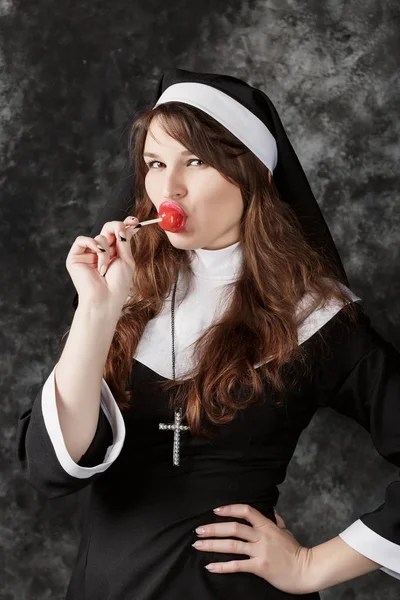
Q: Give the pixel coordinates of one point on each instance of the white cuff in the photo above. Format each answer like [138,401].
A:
[52,424]
[375,547]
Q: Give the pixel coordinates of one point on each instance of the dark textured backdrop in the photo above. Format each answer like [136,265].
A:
[72,74]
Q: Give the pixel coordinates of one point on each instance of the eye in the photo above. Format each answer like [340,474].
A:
[153,162]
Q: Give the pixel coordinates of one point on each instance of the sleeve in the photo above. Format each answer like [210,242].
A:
[360,377]
[43,455]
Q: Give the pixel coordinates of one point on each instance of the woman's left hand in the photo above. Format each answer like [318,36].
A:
[274,553]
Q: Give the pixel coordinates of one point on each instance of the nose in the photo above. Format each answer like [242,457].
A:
[173,187]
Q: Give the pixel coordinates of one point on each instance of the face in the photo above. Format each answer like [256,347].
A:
[213,205]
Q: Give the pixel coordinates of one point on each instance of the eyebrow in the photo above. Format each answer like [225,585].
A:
[151,155]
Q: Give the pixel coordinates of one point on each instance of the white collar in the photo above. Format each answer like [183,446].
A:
[214,271]
[224,264]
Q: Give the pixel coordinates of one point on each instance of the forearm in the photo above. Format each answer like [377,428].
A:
[335,561]
[78,376]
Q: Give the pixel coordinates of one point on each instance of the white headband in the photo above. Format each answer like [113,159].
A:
[240,121]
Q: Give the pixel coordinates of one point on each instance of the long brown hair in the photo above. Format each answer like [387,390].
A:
[279,268]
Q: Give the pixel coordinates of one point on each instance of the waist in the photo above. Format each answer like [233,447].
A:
[182,493]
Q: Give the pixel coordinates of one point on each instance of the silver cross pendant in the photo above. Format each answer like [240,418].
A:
[176,428]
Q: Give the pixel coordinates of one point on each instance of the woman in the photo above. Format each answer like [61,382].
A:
[240,327]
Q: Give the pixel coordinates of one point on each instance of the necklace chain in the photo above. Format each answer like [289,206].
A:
[177,426]
[173,327]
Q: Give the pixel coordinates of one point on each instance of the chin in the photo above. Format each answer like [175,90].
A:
[183,241]
[184,245]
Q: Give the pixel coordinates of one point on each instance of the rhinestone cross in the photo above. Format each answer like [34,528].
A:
[176,428]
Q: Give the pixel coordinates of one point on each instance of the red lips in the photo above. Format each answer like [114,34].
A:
[173,217]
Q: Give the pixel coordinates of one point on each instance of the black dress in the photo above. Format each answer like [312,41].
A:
[142,510]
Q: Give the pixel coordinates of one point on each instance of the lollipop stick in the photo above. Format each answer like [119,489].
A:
[151,221]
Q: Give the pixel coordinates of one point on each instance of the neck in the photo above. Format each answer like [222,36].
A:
[221,247]
[223,264]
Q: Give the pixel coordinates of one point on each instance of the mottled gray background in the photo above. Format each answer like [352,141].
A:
[72,74]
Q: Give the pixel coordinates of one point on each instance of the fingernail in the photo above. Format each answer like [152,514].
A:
[103,270]
[100,248]
[210,567]
[200,530]
[217,509]
[122,237]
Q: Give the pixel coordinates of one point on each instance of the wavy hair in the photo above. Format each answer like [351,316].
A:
[261,322]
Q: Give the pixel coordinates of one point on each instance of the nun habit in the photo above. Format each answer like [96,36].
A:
[140,508]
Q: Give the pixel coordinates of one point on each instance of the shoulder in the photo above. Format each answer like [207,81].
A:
[315,316]
[344,349]
[334,338]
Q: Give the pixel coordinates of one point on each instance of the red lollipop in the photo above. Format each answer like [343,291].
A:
[173,217]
